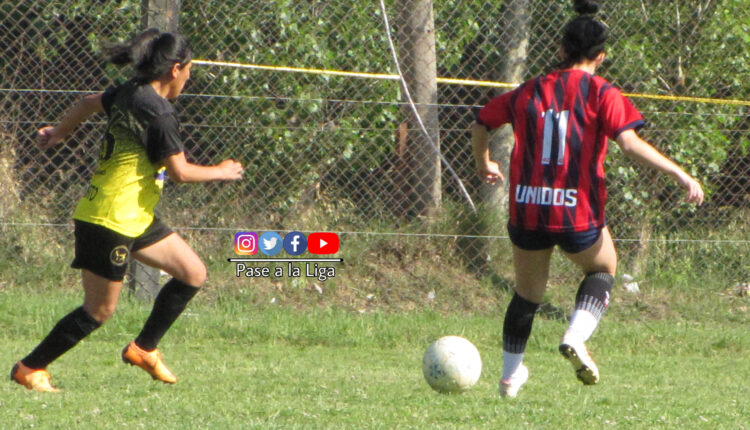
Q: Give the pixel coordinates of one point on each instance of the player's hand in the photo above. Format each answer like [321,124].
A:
[232,170]
[693,188]
[47,137]
[490,173]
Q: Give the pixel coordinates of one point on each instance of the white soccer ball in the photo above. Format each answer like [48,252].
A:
[451,364]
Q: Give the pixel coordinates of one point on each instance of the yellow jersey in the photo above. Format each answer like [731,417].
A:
[142,130]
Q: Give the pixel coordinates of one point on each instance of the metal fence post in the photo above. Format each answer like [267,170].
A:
[164,15]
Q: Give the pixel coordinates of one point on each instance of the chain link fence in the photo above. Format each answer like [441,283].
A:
[325,149]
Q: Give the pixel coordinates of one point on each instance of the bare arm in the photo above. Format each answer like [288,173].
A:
[181,170]
[48,137]
[488,170]
[642,152]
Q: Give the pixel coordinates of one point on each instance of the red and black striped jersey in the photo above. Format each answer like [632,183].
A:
[561,122]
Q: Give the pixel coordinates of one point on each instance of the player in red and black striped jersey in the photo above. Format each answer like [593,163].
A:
[562,122]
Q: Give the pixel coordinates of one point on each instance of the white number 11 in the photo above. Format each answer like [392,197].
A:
[554,120]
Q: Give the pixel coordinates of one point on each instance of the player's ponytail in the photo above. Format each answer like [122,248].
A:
[583,37]
[152,53]
[586,7]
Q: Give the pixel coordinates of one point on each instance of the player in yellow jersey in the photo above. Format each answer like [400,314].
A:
[115,218]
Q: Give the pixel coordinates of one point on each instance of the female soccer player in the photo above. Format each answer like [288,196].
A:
[115,219]
[561,122]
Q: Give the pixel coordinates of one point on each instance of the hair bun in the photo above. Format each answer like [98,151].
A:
[586,7]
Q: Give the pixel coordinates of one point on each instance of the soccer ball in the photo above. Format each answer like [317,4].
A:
[451,364]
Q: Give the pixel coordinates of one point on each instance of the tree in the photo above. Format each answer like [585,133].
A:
[416,37]
[514,20]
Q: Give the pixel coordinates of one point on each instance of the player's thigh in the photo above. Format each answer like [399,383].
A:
[599,257]
[532,271]
[174,256]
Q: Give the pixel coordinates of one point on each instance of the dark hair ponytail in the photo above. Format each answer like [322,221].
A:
[152,53]
[586,7]
[585,35]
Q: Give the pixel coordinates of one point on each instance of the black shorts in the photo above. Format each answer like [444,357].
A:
[105,252]
[572,242]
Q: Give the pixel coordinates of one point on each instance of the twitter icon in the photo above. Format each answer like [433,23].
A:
[270,243]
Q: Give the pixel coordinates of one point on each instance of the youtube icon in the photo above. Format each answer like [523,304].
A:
[323,243]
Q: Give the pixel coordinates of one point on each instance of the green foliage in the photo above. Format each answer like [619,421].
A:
[297,132]
[295,129]
[679,50]
[319,150]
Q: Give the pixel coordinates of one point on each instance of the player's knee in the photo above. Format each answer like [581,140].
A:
[102,312]
[196,274]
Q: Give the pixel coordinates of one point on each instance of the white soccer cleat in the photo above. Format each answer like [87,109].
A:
[510,386]
[583,364]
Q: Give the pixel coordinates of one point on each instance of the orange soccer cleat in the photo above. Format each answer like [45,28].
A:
[150,361]
[33,379]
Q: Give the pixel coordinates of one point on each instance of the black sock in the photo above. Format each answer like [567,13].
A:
[169,304]
[593,293]
[517,326]
[64,336]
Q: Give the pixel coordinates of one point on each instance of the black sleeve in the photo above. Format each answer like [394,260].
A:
[108,98]
[163,138]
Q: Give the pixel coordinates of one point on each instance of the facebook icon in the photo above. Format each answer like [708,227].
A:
[295,243]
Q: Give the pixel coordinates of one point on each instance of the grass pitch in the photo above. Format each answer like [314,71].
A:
[242,366]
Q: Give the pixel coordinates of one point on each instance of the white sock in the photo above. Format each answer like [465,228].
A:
[511,362]
[582,326]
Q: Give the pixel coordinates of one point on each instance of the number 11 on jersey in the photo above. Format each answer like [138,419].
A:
[554,121]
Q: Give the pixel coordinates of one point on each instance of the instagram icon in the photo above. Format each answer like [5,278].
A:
[246,243]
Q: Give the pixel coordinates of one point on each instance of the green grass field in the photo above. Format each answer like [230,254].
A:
[243,366]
